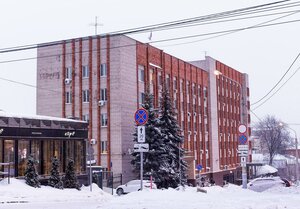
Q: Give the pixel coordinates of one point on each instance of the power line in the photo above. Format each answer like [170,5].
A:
[211,21]
[277,89]
[147,28]
[231,32]
[158,41]
[256,115]
[278,81]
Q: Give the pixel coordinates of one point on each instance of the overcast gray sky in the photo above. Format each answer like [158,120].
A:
[264,53]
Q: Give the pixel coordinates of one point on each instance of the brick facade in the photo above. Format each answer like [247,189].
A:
[209,131]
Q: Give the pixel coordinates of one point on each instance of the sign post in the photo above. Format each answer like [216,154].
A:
[243,153]
[141,118]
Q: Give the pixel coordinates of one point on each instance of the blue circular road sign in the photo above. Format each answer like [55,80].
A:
[199,167]
[242,139]
[141,116]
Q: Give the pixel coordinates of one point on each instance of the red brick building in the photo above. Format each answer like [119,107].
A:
[103,79]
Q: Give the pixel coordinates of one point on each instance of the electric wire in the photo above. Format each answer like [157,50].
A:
[158,41]
[137,30]
[277,90]
[231,32]
[282,77]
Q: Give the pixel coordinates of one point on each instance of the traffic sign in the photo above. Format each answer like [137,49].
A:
[243,153]
[141,134]
[243,147]
[199,167]
[141,147]
[243,139]
[242,129]
[141,116]
[243,161]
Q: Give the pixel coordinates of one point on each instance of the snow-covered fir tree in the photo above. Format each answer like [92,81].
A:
[70,179]
[31,175]
[152,160]
[175,173]
[55,180]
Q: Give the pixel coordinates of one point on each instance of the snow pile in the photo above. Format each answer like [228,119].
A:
[19,192]
[19,195]
[266,169]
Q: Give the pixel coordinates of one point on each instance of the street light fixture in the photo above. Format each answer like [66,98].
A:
[296,155]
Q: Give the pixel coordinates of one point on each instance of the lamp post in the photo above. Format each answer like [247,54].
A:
[296,149]
[243,120]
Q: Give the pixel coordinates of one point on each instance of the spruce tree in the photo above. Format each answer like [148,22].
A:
[31,176]
[55,180]
[70,179]
[152,160]
[172,137]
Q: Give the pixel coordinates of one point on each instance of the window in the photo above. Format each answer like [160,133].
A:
[86,117]
[68,97]
[103,95]
[141,98]
[175,83]
[85,95]
[85,71]
[103,71]
[151,76]
[104,119]
[141,70]
[104,147]
[69,72]
[168,81]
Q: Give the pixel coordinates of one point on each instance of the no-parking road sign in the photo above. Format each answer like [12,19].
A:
[141,116]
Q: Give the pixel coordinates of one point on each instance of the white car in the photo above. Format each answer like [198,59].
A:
[134,185]
[264,183]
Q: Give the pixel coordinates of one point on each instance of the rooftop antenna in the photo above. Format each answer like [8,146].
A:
[96,24]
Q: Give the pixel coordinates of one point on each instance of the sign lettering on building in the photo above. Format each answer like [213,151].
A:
[69,133]
[54,75]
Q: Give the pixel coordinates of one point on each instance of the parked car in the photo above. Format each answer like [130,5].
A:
[264,183]
[134,185]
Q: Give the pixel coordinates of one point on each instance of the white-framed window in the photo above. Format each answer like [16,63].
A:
[86,117]
[103,95]
[104,119]
[168,81]
[68,97]
[141,70]
[85,95]
[103,147]
[69,72]
[103,71]
[142,98]
[151,76]
[85,71]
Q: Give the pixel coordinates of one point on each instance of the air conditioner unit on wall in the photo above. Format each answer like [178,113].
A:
[68,81]
[101,103]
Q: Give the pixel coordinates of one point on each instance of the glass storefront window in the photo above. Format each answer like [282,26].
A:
[35,151]
[52,148]
[23,153]
[9,155]
[1,151]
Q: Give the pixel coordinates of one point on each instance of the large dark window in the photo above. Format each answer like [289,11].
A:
[23,153]
[9,155]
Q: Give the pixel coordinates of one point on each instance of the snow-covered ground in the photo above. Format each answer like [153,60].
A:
[19,195]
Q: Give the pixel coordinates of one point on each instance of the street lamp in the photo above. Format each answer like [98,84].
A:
[296,146]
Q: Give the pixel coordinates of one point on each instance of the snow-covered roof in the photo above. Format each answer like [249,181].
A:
[266,169]
[38,117]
